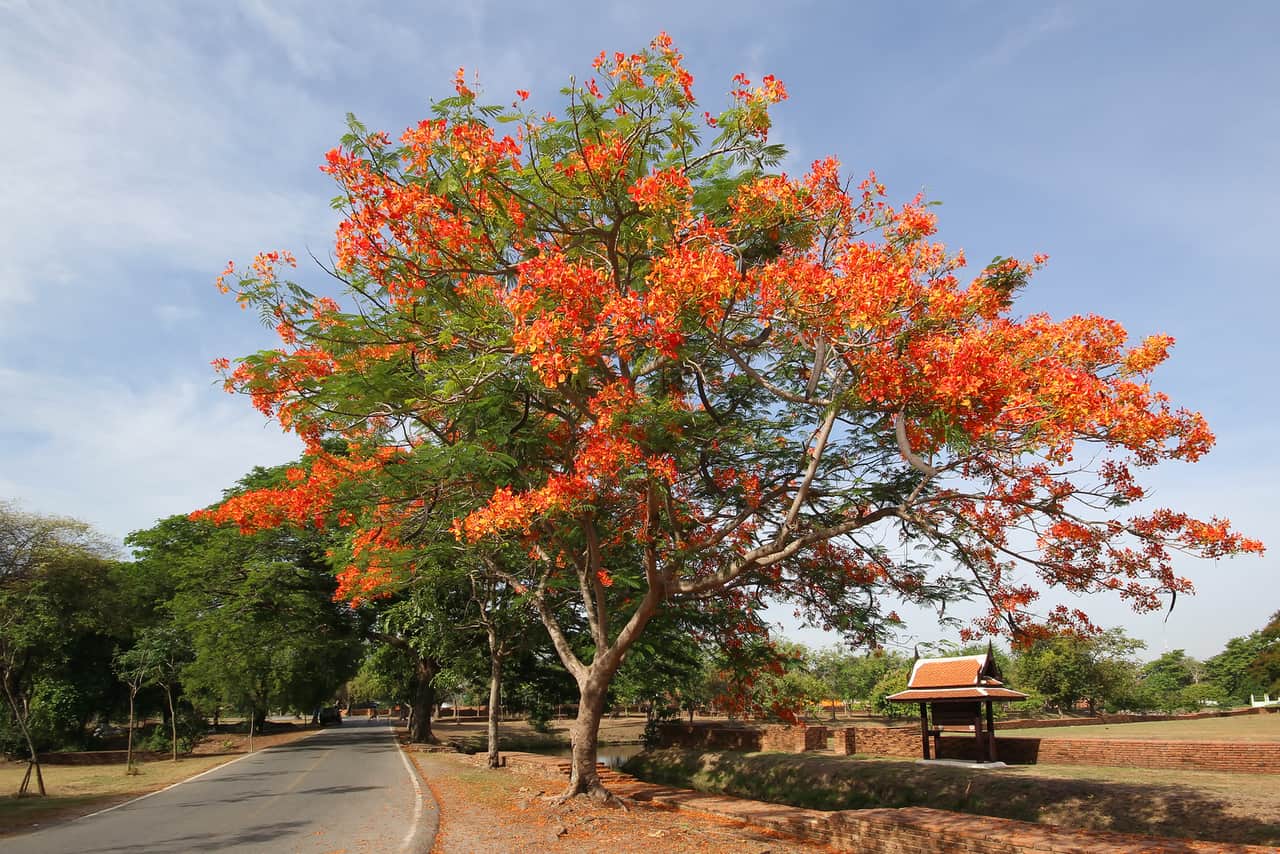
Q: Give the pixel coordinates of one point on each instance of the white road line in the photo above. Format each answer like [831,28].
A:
[417,794]
[180,782]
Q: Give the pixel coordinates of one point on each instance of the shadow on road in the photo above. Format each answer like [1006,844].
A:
[258,835]
[316,792]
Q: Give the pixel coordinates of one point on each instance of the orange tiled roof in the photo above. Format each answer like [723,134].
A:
[946,672]
[961,677]
[975,692]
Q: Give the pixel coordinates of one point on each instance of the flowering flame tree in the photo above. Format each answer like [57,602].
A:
[619,358]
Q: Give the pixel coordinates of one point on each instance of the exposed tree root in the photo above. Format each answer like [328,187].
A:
[594,790]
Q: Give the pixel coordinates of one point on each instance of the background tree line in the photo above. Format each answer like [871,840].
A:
[205,621]
[1064,674]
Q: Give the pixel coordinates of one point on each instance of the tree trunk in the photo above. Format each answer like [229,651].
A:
[173,720]
[424,697]
[33,760]
[584,775]
[128,757]
[495,698]
[252,717]
[594,679]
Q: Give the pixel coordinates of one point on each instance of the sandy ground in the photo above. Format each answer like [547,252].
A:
[509,811]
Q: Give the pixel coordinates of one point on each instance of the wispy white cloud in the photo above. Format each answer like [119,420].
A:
[122,141]
[173,315]
[1024,35]
[121,457]
[311,51]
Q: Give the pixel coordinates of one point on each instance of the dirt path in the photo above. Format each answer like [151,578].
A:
[506,810]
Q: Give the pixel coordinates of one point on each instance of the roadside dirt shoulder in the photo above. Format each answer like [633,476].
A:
[509,810]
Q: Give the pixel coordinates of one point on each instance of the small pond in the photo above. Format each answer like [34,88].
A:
[612,755]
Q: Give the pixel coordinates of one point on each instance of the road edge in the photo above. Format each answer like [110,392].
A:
[421,837]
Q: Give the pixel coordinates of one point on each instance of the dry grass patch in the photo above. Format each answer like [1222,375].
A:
[1239,808]
[1239,728]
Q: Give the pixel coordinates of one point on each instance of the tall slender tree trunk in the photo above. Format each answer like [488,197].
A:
[173,720]
[33,758]
[495,698]
[253,716]
[128,758]
[424,698]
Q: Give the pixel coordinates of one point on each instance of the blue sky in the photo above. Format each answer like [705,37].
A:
[146,144]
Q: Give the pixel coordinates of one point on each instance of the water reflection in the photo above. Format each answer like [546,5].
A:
[612,755]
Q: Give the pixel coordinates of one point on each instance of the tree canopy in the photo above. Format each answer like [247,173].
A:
[612,349]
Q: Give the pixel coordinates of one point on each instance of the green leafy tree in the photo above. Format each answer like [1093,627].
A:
[258,612]
[674,374]
[51,571]
[891,682]
[862,673]
[420,624]
[157,657]
[1264,670]
[385,674]
[664,674]
[1098,670]
[1233,670]
[1166,680]
[135,668]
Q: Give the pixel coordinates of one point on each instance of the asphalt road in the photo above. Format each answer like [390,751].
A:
[347,789]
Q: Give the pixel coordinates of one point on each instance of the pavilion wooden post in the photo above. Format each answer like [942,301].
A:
[977,731]
[991,733]
[924,729]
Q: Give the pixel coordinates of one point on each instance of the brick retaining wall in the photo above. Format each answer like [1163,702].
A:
[793,739]
[782,738]
[709,736]
[1238,757]
[928,831]
[878,741]
[1251,757]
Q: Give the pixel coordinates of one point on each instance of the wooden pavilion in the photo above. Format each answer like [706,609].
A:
[954,690]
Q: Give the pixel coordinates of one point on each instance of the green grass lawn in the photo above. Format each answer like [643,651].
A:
[1209,806]
[1239,728]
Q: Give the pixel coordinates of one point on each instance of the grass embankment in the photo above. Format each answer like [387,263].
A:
[1179,804]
